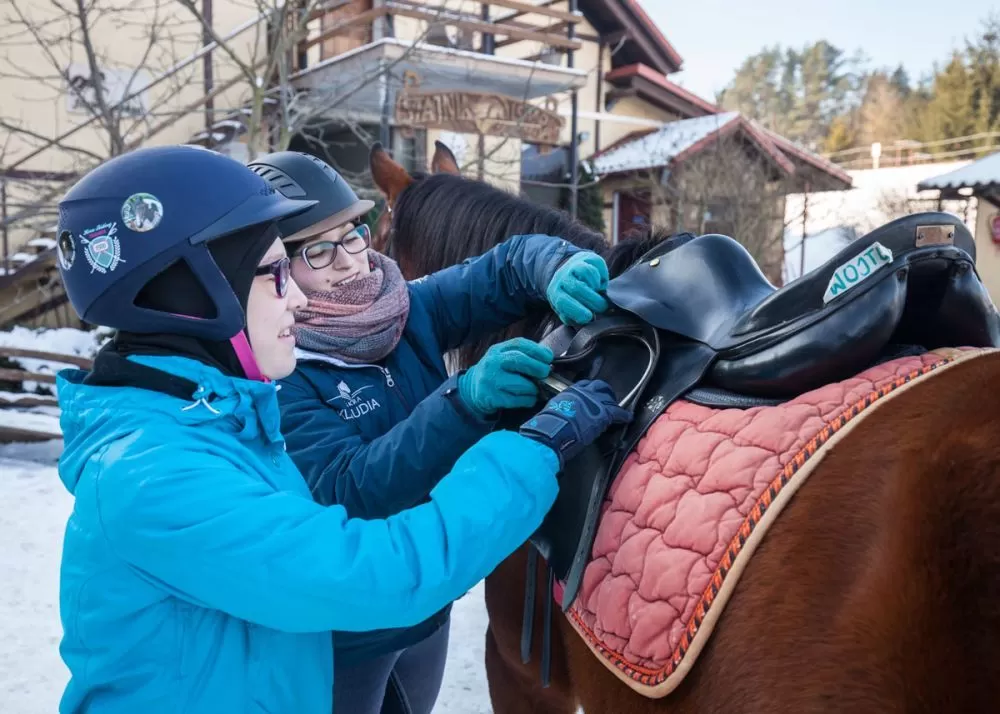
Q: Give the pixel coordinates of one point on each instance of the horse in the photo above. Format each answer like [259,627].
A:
[875,590]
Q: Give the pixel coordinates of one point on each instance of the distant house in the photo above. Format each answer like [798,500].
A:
[632,123]
[979,180]
[523,91]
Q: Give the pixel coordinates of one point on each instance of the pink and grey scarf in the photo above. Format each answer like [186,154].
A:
[360,322]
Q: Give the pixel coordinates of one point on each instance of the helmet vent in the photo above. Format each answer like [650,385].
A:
[280,181]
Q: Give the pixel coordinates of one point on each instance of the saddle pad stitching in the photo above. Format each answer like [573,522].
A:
[653,677]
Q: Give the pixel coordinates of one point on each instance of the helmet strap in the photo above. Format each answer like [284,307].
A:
[244,354]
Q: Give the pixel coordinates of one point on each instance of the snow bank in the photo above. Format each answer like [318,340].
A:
[36,505]
[30,420]
[65,340]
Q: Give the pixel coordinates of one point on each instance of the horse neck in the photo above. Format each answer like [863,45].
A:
[466,218]
[428,239]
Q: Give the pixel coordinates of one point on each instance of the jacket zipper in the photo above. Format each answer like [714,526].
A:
[391,383]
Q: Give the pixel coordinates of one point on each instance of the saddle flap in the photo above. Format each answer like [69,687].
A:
[698,289]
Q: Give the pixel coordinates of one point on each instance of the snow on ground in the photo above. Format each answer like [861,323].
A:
[31,527]
[32,675]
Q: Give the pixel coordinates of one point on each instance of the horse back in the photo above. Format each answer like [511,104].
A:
[876,590]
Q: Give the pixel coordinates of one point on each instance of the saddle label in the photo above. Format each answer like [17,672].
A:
[856,270]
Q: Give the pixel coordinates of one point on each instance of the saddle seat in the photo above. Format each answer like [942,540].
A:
[911,281]
[696,318]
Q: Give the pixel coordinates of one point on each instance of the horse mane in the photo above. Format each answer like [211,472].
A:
[627,252]
[442,219]
[458,218]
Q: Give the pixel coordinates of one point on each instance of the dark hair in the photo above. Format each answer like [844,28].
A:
[441,220]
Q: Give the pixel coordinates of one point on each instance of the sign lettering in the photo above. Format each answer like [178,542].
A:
[476,113]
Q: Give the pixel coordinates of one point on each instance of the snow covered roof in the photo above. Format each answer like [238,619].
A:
[660,147]
[676,141]
[679,139]
[979,175]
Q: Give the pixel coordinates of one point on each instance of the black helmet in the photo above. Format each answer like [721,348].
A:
[302,176]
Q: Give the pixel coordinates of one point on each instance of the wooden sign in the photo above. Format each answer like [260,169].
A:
[476,113]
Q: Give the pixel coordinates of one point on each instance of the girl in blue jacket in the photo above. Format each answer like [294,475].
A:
[198,573]
[372,418]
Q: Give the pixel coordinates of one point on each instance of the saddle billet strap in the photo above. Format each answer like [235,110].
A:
[646,336]
[528,623]
[587,337]
[527,626]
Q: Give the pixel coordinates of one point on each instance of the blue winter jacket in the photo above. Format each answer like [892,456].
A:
[200,576]
[377,438]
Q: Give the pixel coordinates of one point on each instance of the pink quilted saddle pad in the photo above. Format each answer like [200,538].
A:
[691,503]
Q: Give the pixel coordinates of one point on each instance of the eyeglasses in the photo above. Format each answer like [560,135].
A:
[281,271]
[320,255]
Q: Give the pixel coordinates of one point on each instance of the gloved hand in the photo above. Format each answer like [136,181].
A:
[506,377]
[575,290]
[573,419]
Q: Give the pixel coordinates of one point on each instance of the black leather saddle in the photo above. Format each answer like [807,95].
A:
[698,319]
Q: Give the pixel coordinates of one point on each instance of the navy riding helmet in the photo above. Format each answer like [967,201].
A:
[137,214]
[302,176]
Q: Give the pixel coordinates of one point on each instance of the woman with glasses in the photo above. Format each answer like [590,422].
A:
[371,416]
[198,573]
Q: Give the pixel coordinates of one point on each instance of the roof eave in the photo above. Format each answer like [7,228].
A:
[672,58]
[975,187]
[643,32]
[821,175]
[657,89]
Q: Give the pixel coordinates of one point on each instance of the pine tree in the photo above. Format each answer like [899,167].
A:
[796,93]
[880,117]
[841,135]
[900,81]
[762,89]
[984,69]
[950,114]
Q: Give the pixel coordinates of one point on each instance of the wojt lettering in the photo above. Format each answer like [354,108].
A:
[854,271]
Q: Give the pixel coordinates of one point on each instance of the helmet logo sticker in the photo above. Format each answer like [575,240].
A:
[102,247]
[142,212]
[66,250]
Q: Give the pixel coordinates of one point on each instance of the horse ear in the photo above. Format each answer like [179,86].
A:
[444,162]
[390,177]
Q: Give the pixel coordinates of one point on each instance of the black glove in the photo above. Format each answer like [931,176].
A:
[574,419]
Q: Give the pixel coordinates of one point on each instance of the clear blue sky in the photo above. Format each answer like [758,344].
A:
[715,36]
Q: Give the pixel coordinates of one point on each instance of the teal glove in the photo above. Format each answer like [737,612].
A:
[575,290]
[506,377]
